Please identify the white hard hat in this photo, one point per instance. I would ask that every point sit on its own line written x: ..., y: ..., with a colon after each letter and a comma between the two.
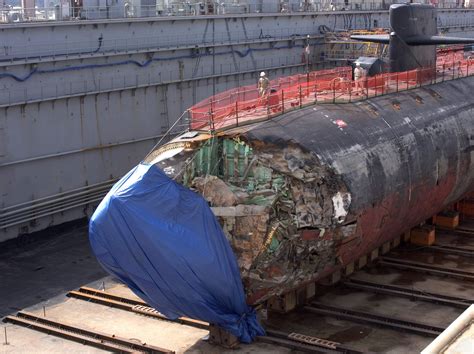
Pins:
x: 262, y: 73
x: 357, y: 64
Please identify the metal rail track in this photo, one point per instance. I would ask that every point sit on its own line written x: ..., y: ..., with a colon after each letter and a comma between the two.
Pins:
x: 426, y: 268
x: 293, y: 341
x: 304, y: 343
x: 401, y: 291
x: 131, y: 305
x: 465, y: 229
x: 460, y: 230
x: 82, y: 335
x: 461, y: 251
x: 379, y: 320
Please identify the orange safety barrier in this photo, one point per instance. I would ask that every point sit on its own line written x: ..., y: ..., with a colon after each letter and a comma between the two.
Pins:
x: 243, y: 105
x: 245, y: 98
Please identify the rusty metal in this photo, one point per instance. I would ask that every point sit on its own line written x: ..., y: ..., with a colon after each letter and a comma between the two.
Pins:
x: 310, y: 340
x: 305, y: 348
x: 131, y: 305
x: 426, y: 268
x: 379, y: 320
x: 410, y: 293
x: 107, y: 295
x: 304, y: 343
x: 82, y: 335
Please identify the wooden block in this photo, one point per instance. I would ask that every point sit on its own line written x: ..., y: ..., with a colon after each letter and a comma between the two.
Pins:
x: 423, y: 236
x: 385, y: 247
x: 374, y: 254
x: 310, y: 291
x: 283, y: 303
x: 349, y: 269
x: 448, y: 219
x: 396, y: 241
x: 262, y: 314
x: 466, y: 208
x: 331, y: 279
x: 305, y: 294
x: 301, y: 296
x: 335, y: 277
x: 220, y: 337
x: 406, y: 236
x: 362, y: 262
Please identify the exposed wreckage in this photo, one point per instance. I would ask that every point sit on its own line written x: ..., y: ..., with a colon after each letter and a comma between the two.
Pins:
x: 307, y: 192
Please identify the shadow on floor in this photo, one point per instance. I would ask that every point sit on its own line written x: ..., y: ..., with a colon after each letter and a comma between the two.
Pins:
x: 42, y: 265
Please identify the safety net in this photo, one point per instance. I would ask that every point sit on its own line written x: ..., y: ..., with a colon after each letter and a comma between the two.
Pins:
x: 243, y: 105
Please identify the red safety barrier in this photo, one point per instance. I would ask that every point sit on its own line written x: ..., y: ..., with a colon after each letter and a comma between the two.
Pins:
x: 243, y: 105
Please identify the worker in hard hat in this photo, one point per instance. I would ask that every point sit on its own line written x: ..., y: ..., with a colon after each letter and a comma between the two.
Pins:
x: 359, y: 77
x: 263, y: 84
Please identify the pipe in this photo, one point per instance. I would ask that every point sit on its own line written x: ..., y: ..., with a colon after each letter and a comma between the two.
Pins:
x: 88, y: 93
x: 55, y: 211
x: 59, y: 195
x: 80, y: 150
x: 241, y: 54
x: 451, y: 333
x: 34, y: 209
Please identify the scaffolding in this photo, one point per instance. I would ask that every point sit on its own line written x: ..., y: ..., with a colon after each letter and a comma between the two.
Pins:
x: 339, y: 46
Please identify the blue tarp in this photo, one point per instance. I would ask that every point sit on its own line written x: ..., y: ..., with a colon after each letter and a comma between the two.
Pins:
x: 164, y: 242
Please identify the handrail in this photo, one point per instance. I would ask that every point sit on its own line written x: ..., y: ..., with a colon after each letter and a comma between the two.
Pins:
x: 65, y: 12
x: 169, y: 133
x: 243, y: 105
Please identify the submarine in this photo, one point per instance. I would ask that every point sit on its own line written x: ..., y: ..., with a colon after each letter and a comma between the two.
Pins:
x: 308, y: 189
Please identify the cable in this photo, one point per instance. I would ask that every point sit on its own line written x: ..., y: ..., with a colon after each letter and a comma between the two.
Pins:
x: 137, y: 63
x: 100, y: 40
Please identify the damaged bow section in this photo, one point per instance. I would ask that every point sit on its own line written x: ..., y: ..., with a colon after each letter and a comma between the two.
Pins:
x: 282, y: 210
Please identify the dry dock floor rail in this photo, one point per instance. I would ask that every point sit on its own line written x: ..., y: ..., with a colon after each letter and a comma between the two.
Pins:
x: 401, y: 300
x: 82, y: 335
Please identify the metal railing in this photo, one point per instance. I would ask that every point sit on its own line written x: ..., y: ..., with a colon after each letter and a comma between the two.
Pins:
x: 16, y: 14
x: 246, y: 105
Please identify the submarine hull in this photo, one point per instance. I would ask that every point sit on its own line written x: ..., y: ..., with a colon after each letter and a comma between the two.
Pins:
x: 306, y: 193
x: 402, y: 158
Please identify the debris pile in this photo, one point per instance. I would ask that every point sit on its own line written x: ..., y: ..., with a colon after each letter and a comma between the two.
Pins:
x: 282, y: 211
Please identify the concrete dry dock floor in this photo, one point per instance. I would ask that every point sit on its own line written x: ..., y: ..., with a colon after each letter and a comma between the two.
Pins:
x: 360, y: 337
x: 174, y: 336
x: 40, y: 274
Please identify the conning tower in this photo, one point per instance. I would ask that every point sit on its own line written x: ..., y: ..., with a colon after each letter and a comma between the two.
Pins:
x: 413, y: 37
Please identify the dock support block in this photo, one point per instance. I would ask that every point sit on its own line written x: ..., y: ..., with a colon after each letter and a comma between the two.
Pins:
x: 283, y: 303
x: 448, y: 220
x: 221, y: 337
x: 423, y: 235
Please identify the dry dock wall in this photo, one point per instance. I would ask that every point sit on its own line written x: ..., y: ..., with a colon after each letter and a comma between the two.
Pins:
x: 82, y: 102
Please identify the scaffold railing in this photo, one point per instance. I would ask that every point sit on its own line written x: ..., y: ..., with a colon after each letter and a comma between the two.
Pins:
x: 126, y: 9
x: 243, y: 105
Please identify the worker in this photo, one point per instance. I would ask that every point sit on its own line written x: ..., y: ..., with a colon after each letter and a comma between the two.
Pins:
x: 263, y: 84
x: 359, y: 76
